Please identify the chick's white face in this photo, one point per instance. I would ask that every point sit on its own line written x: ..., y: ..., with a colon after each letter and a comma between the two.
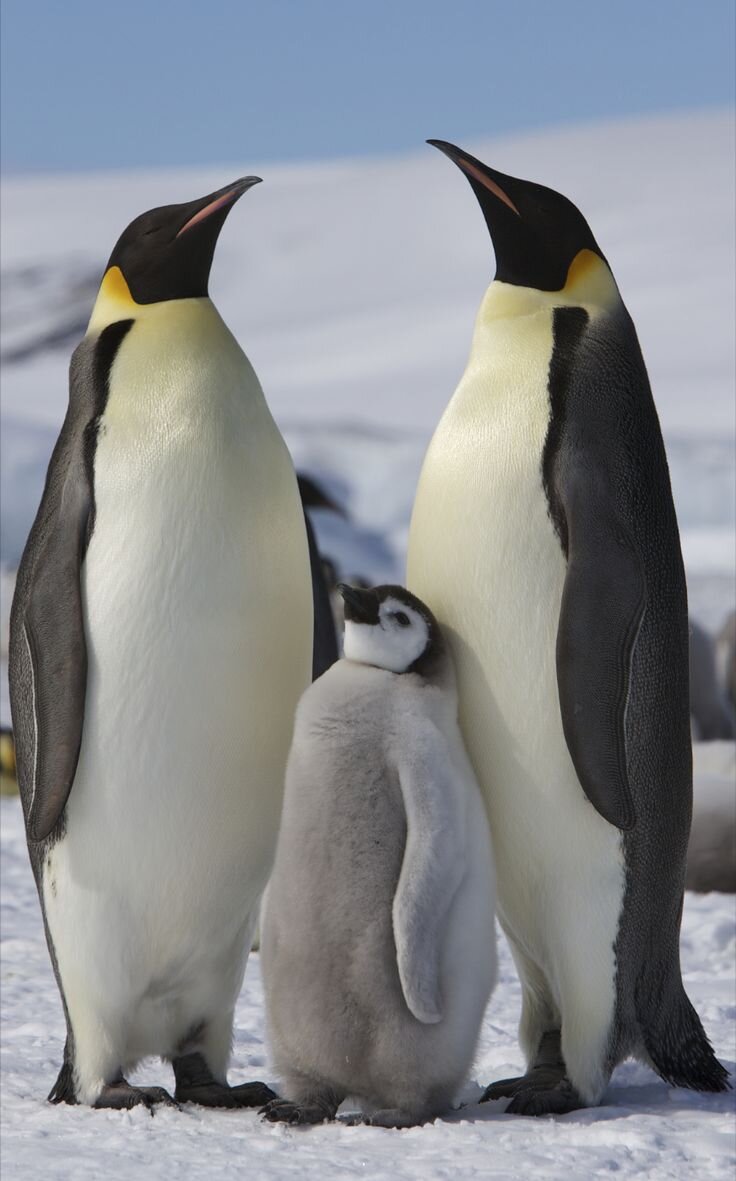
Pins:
x: 394, y: 643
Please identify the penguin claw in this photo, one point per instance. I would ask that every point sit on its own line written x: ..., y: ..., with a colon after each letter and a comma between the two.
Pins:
x: 505, y: 1088
x: 253, y: 1094
x: 283, y: 1111
x: 219, y: 1095
x: 120, y: 1096
x: 536, y: 1101
x: 546, y: 1077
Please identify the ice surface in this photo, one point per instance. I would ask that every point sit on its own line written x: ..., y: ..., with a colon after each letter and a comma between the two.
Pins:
x: 643, y: 1128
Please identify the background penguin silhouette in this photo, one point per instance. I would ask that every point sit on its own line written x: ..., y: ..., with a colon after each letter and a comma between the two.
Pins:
x: 378, y: 950
x: 325, y: 650
x: 711, y: 853
x: 544, y: 538
x: 712, y: 714
x: 161, y: 635
x: 726, y: 657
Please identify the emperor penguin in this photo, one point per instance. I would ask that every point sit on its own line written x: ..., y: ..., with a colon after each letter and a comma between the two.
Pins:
x: 378, y: 950
x: 161, y: 636
x: 544, y: 539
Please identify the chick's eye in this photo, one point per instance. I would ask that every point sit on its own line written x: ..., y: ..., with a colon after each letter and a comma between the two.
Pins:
x: 401, y: 618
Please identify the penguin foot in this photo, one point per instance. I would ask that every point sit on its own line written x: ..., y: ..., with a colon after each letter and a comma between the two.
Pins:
x: 282, y: 1111
x: 556, y: 1100
x: 533, y: 1094
x: 195, y: 1083
x: 121, y: 1096
x: 540, y: 1078
x: 216, y: 1094
x: 546, y: 1075
x: 221, y: 1095
x: 505, y: 1088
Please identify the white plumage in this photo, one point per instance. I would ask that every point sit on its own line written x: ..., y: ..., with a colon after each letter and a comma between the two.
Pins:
x: 483, y: 554
x: 198, y: 619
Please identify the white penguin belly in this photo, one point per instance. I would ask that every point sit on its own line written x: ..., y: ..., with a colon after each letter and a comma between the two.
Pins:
x: 484, y: 555
x: 198, y: 616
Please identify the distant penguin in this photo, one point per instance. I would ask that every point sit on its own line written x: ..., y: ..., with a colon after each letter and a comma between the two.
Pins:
x: 7, y: 588
x: 161, y: 636
x: 325, y: 648
x: 378, y: 951
x: 8, y: 769
x: 544, y: 539
x: 710, y: 709
x: 711, y: 853
x: 726, y: 657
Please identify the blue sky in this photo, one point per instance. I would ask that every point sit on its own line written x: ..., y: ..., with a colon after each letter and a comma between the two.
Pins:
x: 135, y: 83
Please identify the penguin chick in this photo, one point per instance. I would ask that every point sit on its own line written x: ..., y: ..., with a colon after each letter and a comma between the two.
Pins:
x: 378, y: 945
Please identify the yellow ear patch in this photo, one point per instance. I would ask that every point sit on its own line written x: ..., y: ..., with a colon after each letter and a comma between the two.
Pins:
x: 590, y: 281
x: 113, y: 286
x: 114, y: 301
x: 583, y: 262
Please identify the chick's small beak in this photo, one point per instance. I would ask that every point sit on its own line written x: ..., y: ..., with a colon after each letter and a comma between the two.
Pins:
x: 361, y: 606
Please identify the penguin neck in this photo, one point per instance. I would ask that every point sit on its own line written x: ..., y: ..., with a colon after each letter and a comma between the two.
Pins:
x: 114, y: 303
x: 589, y: 284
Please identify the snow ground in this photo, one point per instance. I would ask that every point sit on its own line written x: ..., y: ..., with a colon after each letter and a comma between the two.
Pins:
x: 643, y: 1129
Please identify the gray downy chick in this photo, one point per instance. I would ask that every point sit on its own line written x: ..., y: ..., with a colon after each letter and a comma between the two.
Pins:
x: 378, y: 948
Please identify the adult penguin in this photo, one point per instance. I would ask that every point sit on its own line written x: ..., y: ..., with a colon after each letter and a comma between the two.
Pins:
x: 161, y: 636
x: 544, y: 539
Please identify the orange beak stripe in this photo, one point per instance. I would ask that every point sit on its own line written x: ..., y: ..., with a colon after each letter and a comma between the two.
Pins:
x: 213, y: 206
x: 471, y: 170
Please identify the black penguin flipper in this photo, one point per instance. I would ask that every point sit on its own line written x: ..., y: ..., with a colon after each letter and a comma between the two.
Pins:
x: 47, y: 668
x: 54, y: 633
x: 324, y: 646
x: 602, y: 607
x: 596, y: 393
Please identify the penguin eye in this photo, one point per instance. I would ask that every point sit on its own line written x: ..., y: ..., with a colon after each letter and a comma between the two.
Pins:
x: 401, y: 618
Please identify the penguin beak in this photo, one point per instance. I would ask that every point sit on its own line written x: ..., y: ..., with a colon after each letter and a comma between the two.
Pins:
x: 222, y: 199
x: 361, y: 606
x: 480, y: 175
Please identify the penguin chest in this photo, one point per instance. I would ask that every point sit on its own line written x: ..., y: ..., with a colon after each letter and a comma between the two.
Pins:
x: 198, y: 616
x: 484, y: 554
x: 482, y: 545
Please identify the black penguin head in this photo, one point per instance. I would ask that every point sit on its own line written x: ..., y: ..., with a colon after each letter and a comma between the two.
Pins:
x: 536, y: 232
x: 167, y: 253
x: 389, y: 627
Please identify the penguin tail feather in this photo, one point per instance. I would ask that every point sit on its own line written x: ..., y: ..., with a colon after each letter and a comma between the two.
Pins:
x: 63, y: 1089
x: 679, y: 1049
